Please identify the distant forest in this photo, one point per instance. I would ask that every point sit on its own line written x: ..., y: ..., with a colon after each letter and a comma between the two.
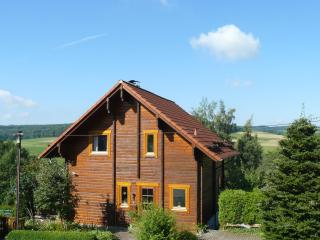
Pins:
x: 32, y: 131
x: 54, y: 130
x: 280, y: 130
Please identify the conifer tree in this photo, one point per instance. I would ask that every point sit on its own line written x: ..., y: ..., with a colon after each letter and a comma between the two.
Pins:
x: 292, y: 206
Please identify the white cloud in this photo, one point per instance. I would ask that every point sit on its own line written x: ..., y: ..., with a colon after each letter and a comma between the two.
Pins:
x: 11, y: 100
x: 240, y: 83
x: 228, y: 42
x: 81, y: 40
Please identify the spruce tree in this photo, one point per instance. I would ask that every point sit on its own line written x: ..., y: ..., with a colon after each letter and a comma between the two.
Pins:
x: 292, y: 206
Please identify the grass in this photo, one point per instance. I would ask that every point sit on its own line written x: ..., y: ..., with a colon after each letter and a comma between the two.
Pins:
x: 268, y: 141
x: 36, y: 145
x: 251, y: 231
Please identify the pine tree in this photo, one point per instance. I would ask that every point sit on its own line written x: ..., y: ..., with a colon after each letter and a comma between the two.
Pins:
x: 292, y: 206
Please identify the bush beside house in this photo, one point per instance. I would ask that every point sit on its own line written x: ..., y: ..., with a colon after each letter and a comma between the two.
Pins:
x: 240, y: 207
x: 156, y: 223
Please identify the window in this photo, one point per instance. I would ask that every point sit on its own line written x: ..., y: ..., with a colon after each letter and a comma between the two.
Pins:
x: 147, y: 196
x: 123, y: 195
x: 99, y: 142
x: 151, y: 143
x: 147, y: 193
x: 179, y: 197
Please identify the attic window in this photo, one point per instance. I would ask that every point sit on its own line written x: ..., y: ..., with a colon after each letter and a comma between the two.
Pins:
x: 151, y: 143
x: 100, y: 142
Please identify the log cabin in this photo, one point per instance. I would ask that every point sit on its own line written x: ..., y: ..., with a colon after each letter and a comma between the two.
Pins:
x: 134, y: 148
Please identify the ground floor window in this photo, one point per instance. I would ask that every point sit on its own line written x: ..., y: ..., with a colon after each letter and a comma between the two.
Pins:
x: 179, y: 197
x: 147, y: 194
x: 123, y: 196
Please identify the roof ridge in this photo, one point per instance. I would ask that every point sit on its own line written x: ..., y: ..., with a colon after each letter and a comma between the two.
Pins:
x: 143, y: 89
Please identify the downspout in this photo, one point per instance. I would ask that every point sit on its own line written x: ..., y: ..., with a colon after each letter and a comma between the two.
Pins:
x: 114, y: 167
x: 138, y: 140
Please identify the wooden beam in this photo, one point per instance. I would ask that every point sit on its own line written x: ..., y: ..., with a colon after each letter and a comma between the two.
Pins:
x: 114, y: 165
x: 121, y: 93
x: 138, y: 140
x: 162, y: 168
x: 222, y: 176
x: 108, y: 105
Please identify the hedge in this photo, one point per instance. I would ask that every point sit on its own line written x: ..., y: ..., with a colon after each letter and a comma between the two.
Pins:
x: 46, y: 235
x: 238, y: 206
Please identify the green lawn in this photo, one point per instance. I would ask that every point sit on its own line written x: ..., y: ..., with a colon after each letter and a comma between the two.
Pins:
x: 36, y: 145
x: 268, y: 141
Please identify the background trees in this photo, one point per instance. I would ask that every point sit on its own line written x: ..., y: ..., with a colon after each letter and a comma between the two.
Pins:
x: 292, y: 206
x: 220, y: 121
x: 45, y: 187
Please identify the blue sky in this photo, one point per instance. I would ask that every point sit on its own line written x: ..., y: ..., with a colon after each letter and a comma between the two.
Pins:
x: 58, y: 57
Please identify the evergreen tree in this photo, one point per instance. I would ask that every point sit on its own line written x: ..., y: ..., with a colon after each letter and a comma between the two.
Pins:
x: 242, y: 172
x: 249, y: 148
x: 292, y: 206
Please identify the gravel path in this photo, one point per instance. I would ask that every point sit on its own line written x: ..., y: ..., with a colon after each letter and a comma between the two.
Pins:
x: 223, y: 235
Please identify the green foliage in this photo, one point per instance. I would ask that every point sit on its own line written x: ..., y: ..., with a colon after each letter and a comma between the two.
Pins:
x: 221, y: 121
x: 6, y: 210
x: 8, y: 153
x: 292, y: 206
x: 154, y: 224
x: 202, y: 228
x: 45, y: 235
x: 53, y: 192
x: 243, y: 174
x: 186, y: 235
x: 238, y: 206
x: 32, y: 131
x: 105, y: 236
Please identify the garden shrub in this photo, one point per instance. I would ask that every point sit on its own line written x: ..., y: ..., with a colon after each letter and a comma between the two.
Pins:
x: 238, y: 206
x: 154, y: 224
x: 186, y: 235
x: 46, y: 235
x: 105, y: 236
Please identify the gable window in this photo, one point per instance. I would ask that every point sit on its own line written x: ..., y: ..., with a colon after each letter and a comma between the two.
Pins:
x: 179, y: 197
x: 100, y: 142
x: 151, y: 143
x: 123, y: 196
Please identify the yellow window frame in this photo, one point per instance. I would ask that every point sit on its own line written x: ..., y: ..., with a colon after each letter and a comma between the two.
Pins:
x: 154, y: 186
x: 119, y: 197
x: 146, y: 133
x: 100, y: 133
x: 187, y: 197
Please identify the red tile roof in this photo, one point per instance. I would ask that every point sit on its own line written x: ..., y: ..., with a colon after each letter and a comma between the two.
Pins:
x: 185, y: 124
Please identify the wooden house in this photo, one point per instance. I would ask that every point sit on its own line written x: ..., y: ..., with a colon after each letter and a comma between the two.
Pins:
x: 134, y: 148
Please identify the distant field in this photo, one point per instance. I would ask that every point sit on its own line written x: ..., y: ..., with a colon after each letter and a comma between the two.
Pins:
x: 268, y: 141
x: 37, y: 145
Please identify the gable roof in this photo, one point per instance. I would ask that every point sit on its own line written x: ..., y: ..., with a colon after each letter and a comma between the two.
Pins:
x: 191, y: 129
